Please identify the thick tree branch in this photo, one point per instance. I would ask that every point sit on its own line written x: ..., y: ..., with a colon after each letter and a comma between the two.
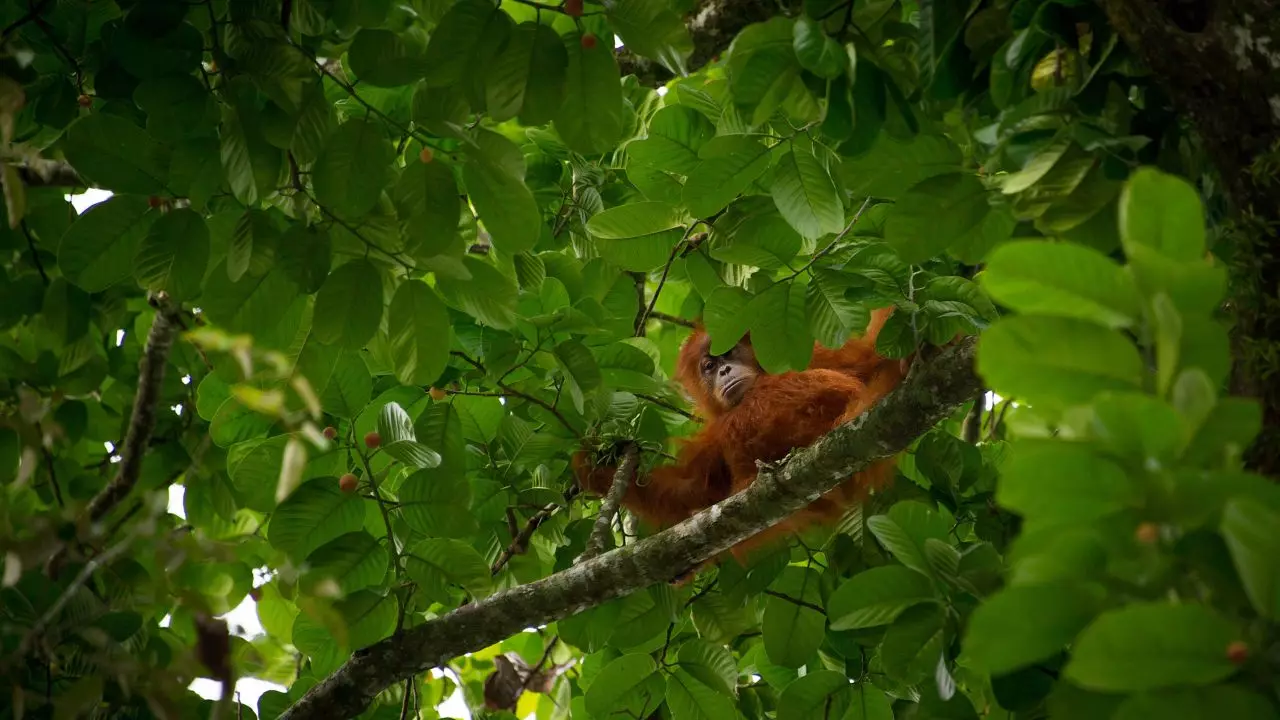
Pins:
x: 933, y: 391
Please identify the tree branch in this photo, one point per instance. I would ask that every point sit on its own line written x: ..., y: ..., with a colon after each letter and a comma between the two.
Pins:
x: 932, y: 392
x: 142, y: 421
x: 609, y: 506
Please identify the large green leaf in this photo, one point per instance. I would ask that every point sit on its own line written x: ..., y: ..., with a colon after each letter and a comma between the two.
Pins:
x: 816, y: 51
x: 877, y: 596
x: 1019, y: 626
x: 354, y: 561
x: 806, y: 195
x: 818, y: 694
x: 487, y: 294
x: 1063, y: 483
x: 353, y: 168
x: 455, y: 41
x: 592, y: 118
x: 612, y: 689
x: 1062, y: 279
x: 529, y: 77
x: 400, y: 440
x: 314, y: 514
x: 726, y: 319
x: 935, y: 214
x: 779, y: 333
x: 905, y: 530
x: 691, y: 699
x: 1145, y: 646
x: 1057, y: 361
x: 832, y: 317
x: 792, y: 628
x: 427, y: 201
x: 675, y: 136
x: 495, y: 184
x: 727, y: 166
x: 712, y: 665
x: 1250, y: 531
x: 762, y: 67
x: 98, y: 249
x: 349, y: 306
x: 115, y: 154
x: 437, y: 504
x: 174, y: 255
x: 419, y: 329
x: 388, y: 59
x: 434, y: 563
x: 1162, y: 212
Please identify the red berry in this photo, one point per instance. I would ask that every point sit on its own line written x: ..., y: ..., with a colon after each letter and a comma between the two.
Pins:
x: 426, y: 155
x: 348, y: 483
x: 573, y: 8
x: 437, y: 394
x: 372, y: 440
x: 331, y: 432
x: 1238, y: 652
x: 85, y: 101
x: 1147, y: 533
x: 588, y: 41
x: 154, y: 201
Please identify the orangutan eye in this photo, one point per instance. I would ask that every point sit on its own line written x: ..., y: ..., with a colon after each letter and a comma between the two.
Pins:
x: 708, y: 365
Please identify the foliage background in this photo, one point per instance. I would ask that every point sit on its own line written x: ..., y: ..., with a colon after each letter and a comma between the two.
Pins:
x: 479, y: 233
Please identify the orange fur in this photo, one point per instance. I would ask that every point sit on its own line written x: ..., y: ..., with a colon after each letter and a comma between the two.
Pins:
x: 779, y: 413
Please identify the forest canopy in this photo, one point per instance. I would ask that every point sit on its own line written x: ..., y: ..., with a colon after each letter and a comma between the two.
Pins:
x: 306, y: 307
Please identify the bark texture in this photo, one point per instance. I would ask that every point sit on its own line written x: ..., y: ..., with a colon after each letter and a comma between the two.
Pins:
x: 932, y: 392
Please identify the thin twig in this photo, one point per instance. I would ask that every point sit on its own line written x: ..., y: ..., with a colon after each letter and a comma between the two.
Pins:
x: 609, y: 506
x: 666, y: 269
x: 663, y: 403
x: 831, y: 245
x: 672, y: 319
x: 971, y: 429
x: 542, y: 662
x: 35, y: 255
x: 794, y: 601
x: 520, y: 542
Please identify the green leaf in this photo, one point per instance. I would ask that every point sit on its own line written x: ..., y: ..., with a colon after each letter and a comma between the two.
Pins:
x: 712, y: 665
x: 690, y: 699
x: 876, y: 597
x: 935, y: 214
x: 894, y: 167
x: 1063, y: 483
x: 904, y: 530
x: 349, y: 306
x: 832, y: 316
x: 1162, y: 212
x: 419, y: 330
x: 1057, y: 361
x: 495, y: 183
x: 726, y: 319
x: 1145, y: 646
x: 914, y: 643
x: 427, y: 201
x: 529, y: 77
x: 579, y: 364
x: 314, y: 514
x: 435, y: 562
x: 174, y: 255
x: 675, y: 136
x: 652, y: 29
x: 806, y: 195
x: 868, y: 702
x: 762, y: 68
x: 383, y: 58
x: 610, y: 689
x: 114, y: 154
x: 727, y: 166
x: 1209, y: 703
x: 634, y: 220
x: 354, y: 561
x: 353, y: 169
x: 792, y: 631
x: 779, y: 333
x: 1019, y: 626
x: 818, y: 694
x: 487, y: 295
x: 818, y: 53
x: 1250, y: 531
x: 339, y: 377
x: 454, y: 44
x: 98, y: 250
x: 400, y: 441
x: 1062, y: 279
x: 253, y: 166
x: 305, y: 253
x: 437, y: 503
x: 592, y: 118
